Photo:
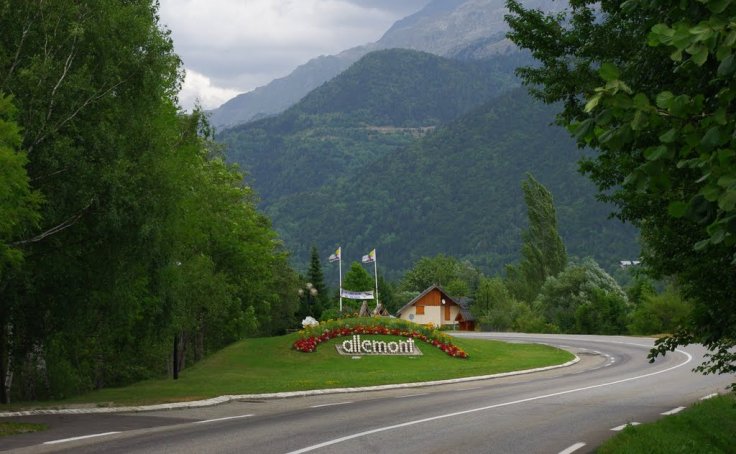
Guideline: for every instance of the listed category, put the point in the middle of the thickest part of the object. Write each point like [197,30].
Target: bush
[659,314]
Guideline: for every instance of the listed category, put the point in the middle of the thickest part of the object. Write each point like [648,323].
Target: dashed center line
[222,419]
[573,448]
[673,411]
[83,437]
[329,405]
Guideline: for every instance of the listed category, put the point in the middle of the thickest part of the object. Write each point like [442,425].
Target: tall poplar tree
[543,253]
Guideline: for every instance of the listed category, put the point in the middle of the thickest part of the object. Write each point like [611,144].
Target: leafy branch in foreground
[650,86]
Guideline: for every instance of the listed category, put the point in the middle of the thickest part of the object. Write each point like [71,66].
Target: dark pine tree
[317,278]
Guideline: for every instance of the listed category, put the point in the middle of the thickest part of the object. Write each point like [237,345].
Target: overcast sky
[233,46]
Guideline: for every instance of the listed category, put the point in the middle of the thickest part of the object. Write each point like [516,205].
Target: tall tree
[357,279]
[542,253]
[146,234]
[94,83]
[650,86]
[19,206]
[316,276]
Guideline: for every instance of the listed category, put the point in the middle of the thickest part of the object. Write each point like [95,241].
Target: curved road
[572,409]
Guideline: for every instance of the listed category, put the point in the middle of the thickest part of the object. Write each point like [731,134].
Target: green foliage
[456,192]
[146,234]
[378,105]
[584,299]
[640,290]
[357,279]
[651,86]
[316,277]
[456,277]
[19,204]
[413,192]
[496,309]
[422,89]
[660,313]
[543,253]
[493,306]
[387,294]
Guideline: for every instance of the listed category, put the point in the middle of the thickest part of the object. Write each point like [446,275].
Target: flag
[370,257]
[336,256]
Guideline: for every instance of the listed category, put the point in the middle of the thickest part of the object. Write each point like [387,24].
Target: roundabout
[613,384]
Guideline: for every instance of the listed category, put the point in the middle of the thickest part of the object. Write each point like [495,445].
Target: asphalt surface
[562,410]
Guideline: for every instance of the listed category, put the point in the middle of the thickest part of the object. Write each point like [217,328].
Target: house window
[420,310]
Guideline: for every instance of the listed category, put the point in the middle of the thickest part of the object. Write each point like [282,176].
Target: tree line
[124,235]
[546,291]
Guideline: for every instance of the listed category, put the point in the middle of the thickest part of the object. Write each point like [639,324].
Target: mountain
[380,104]
[468,29]
[280,94]
[457,191]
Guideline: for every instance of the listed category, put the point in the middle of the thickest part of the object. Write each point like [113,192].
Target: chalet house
[435,306]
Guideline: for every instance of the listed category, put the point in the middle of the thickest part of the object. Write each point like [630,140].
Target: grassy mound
[270,365]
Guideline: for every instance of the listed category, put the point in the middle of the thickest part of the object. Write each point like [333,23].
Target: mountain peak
[465,29]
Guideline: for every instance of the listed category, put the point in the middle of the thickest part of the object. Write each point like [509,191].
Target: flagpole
[339,263]
[375,270]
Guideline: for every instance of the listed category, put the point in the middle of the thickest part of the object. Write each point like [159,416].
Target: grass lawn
[706,427]
[270,364]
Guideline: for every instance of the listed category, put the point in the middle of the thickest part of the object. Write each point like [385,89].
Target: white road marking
[573,448]
[410,395]
[328,405]
[489,407]
[673,411]
[222,419]
[469,389]
[709,396]
[623,426]
[64,440]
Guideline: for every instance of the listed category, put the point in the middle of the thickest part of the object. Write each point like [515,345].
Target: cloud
[238,45]
[198,88]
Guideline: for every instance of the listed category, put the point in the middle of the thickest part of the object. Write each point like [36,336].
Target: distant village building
[435,306]
[628,263]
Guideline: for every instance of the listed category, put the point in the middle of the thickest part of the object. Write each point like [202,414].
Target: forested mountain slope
[467,29]
[458,192]
[380,104]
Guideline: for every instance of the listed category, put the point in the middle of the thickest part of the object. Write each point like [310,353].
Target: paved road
[574,408]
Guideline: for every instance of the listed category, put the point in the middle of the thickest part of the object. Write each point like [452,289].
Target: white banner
[356,295]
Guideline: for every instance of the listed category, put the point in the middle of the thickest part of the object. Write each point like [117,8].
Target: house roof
[461,302]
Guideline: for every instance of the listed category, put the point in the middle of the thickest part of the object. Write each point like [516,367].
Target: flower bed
[312,336]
